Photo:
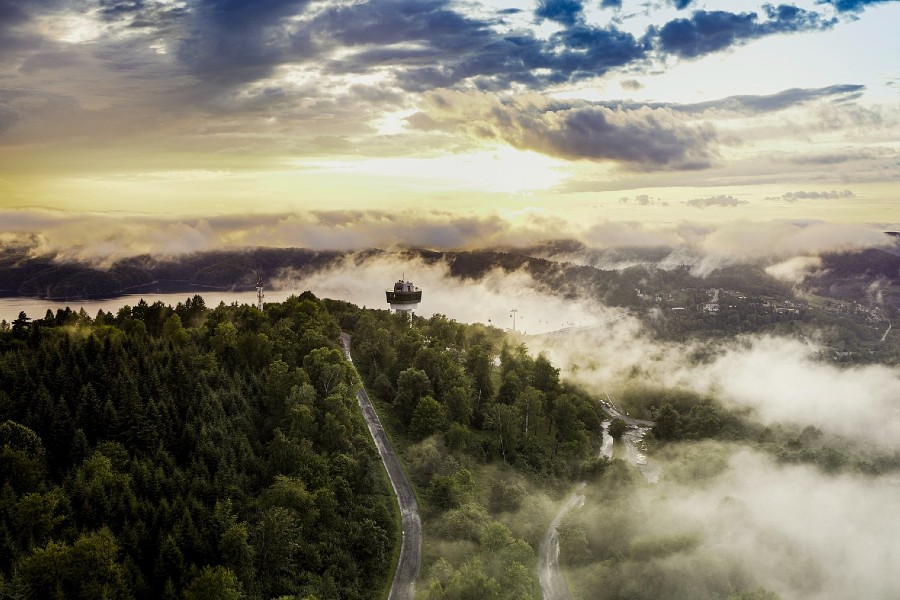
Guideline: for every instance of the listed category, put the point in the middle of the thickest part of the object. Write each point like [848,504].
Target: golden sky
[553,116]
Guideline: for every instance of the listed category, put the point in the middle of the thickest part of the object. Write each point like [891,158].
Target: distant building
[405,297]
[260,296]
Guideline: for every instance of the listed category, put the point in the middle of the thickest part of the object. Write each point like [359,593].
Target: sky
[203,123]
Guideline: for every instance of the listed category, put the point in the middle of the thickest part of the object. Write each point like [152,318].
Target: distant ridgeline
[46,277]
[562,266]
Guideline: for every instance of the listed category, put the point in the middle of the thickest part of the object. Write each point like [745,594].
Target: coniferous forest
[187,453]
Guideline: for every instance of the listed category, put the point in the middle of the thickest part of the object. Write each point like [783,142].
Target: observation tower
[405,297]
[259,294]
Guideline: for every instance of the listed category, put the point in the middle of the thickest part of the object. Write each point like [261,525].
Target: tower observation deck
[405,297]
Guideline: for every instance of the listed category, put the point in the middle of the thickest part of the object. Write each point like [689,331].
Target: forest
[187,452]
[489,435]
[196,452]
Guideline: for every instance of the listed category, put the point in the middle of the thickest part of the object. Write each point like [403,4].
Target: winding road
[404,585]
[553,586]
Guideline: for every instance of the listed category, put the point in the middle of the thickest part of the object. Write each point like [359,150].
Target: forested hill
[22,273]
[188,453]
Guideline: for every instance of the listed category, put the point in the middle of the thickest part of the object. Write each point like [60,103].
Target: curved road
[404,585]
[553,586]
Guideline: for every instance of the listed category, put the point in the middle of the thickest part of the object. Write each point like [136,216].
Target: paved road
[553,586]
[404,585]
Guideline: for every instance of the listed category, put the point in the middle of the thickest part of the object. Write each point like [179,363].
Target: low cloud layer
[783,382]
[795,269]
[362,280]
[789,529]
[103,239]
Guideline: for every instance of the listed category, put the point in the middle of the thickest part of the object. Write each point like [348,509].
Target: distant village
[712,301]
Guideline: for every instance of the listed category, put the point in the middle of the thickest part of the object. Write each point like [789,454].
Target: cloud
[229,42]
[567,12]
[757,523]
[643,138]
[749,104]
[746,240]
[102,238]
[362,279]
[721,200]
[796,269]
[712,31]
[852,5]
[681,4]
[843,156]
[706,248]
[783,381]
[643,200]
[832,195]
[752,104]
[451,47]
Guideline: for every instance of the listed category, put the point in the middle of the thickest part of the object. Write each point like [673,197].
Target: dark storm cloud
[451,48]
[398,21]
[712,31]
[231,41]
[852,5]
[611,4]
[566,12]
[681,4]
[424,43]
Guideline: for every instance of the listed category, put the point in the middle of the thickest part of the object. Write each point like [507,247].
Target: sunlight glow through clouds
[283,105]
[501,169]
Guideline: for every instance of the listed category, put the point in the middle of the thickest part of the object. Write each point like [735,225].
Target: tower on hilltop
[259,294]
[405,297]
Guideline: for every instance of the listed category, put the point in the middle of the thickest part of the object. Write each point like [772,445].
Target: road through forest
[404,585]
[553,586]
